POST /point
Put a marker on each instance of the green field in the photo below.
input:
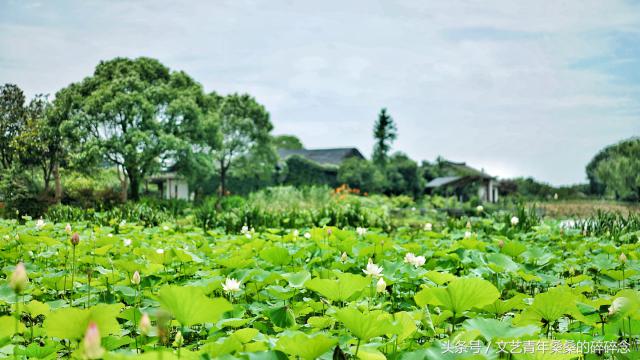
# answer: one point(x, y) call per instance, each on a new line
point(481, 287)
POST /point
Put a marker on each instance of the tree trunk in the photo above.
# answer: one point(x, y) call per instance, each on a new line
point(134, 186)
point(58, 184)
point(123, 184)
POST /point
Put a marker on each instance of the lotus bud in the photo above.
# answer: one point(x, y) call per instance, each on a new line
point(329, 232)
point(500, 243)
point(19, 279)
point(75, 239)
point(572, 271)
point(178, 341)
point(618, 304)
point(381, 286)
point(145, 324)
point(479, 209)
point(468, 224)
point(135, 279)
point(555, 196)
point(92, 347)
point(343, 257)
point(623, 258)
point(67, 228)
point(515, 221)
point(428, 227)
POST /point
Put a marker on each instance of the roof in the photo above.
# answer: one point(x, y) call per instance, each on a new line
point(462, 169)
point(333, 156)
point(442, 181)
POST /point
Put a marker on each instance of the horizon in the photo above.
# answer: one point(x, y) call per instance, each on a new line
point(519, 90)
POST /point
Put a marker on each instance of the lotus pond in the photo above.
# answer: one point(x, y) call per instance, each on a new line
point(473, 288)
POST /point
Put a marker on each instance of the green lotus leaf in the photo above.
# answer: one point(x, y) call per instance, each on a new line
point(460, 295)
point(340, 289)
point(304, 346)
point(492, 328)
point(282, 317)
point(190, 306)
point(367, 325)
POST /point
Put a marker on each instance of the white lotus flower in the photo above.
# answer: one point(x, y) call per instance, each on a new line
point(555, 196)
point(618, 304)
point(245, 229)
point(307, 235)
point(67, 228)
point(40, 224)
point(515, 221)
point(296, 233)
point(623, 258)
point(479, 209)
point(231, 285)
point(109, 235)
point(165, 228)
point(135, 279)
point(343, 257)
point(467, 234)
point(381, 286)
point(247, 235)
point(160, 251)
point(416, 261)
point(361, 231)
point(126, 242)
point(373, 269)
point(428, 227)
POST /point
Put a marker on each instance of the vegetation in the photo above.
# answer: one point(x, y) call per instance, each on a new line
point(492, 281)
point(384, 133)
point(614, 171)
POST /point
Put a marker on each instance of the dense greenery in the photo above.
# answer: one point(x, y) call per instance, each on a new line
point(490, 281)
point(615, 171)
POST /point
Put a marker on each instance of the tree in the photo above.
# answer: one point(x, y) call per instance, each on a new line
point(12, 122)
point(243, 143)
point(134, 114)
point(615, 170)
point(403, 176)
point(361, 174)
point(384, 133)
point(288, 142)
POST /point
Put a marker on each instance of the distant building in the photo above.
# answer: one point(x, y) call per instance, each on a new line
point(463, 181)
point(312, 166)
point(333, 157)
point(170, 185)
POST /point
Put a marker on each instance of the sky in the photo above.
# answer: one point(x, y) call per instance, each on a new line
point(517, 88)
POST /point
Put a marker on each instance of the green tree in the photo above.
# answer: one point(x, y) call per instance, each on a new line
point(615, 170)
point(288, 142)
point(135, 114)
point(384, 133)
point(361, 174)
point(12, 122)
point(403, 176)
point(243, 140)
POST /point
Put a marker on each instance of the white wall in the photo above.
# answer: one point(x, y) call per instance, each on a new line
point(176, 189)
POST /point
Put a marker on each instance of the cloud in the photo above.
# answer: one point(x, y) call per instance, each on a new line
point(518, 88)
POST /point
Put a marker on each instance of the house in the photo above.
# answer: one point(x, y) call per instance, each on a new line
point(331, 157)
point(170, 185)
point(460, 179)
point(312, 166)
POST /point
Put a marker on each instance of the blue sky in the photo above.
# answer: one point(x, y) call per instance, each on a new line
point(518, 88)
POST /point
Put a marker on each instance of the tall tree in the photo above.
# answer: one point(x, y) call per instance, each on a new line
point(244, 140)
point(12, 122)
point(384, 133)
point(288, 142)
point(135, 113)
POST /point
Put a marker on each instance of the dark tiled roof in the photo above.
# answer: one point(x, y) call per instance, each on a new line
point(462, 169)
point(442, 181)
point(323, 156)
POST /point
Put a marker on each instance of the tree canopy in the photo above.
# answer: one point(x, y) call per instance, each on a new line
point(384, 133)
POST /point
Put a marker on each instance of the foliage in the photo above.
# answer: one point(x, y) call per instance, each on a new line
point(361, 174)
point(306, 296)
point(614, 170)
point(303, 172)
point(288, 142)
point(384, 133)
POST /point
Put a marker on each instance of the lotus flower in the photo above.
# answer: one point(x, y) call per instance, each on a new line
point(145, 324)
point(92, 347)
point(623, 258)
point(428, 227)
point(361, 231)
point(75, 239)
point(467, 234)
point(67, 228)
point(160, 251)
point(416, 261)
point(617, 305)
point(135, 279)
point(231, 285)
point(381, 286)
point(126, 242)
point(307, 235)
point(296, 233)
point(19, 279)
point(40, 224)
point(373, 269)
point(515, 221)
point(343, 257)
